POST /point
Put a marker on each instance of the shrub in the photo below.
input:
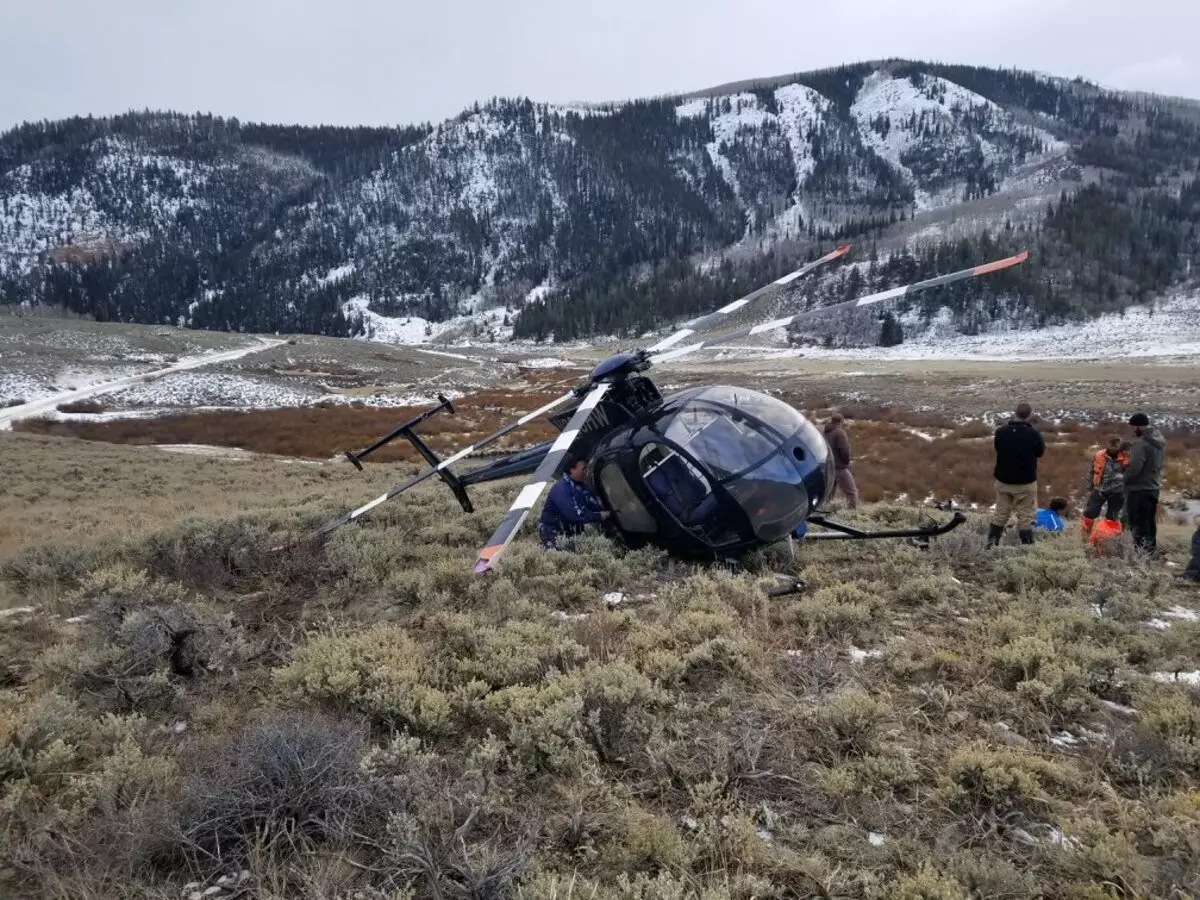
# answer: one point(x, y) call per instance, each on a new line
point(1021, 660)
point(551, 724)
point(50, 566)
point(82, 406)
point(518, 652)
point(979, 780)
point(926, 884)
point(289, 782)
point(840, 612)
point(848, 722)
point(379, 671)
point(141, 656)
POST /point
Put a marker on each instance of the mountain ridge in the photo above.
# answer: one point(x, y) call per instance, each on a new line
point(540, 211)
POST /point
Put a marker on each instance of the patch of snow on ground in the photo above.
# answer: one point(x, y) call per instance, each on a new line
point(547, 362)
point(334, 275)
point(25, 388)
point(1064, 739)
point(1170, 331)
point(925, 436)
point(1178, 613)
point(83, 379)
point(416, 330)
point(48, 404)
point(904, 108)
point(211, 389)
point(800, 110)
point(1189, 678)
point(858, 655)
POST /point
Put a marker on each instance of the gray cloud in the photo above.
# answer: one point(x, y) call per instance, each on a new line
point(395, 61)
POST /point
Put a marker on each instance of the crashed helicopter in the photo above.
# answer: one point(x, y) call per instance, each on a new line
point(712, 472)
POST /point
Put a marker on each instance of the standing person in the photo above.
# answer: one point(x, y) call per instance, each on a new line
point(570, 505)
point(835, 434)
point(1107, 485)
point(1192, 572)
point(1018, 446)
point(1143, 479)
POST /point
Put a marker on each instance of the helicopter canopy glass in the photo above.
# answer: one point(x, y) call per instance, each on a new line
point(757, 448)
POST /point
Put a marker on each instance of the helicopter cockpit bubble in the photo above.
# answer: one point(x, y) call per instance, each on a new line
point(770, 458)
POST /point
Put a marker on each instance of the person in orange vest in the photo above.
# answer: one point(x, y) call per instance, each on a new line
point(1107, 484)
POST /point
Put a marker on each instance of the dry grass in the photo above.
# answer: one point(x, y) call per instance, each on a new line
point(310, 432)
point(186, 709)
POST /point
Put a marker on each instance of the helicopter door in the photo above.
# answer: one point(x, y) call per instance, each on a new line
point(680, 487)
point(630, 512)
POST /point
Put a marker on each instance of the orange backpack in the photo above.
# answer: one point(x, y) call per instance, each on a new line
point(1105, 536)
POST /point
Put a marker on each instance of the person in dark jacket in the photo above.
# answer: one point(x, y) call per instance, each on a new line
point(1018, 446)
point(839, 445)
point(1192, 572)
point(569, 506)
point(1143, 480)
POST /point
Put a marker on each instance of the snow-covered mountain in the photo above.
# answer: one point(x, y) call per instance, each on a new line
point(198, 220)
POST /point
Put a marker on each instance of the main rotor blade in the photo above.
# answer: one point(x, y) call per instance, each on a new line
point(538, 482)
point(445, 463)
point(880, 297)
point(691, 327)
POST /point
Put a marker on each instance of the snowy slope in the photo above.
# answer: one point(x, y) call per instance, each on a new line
point(511, 199)
point(926, 127)
point(1169, 332)
point(743, 118)
point(127, 192)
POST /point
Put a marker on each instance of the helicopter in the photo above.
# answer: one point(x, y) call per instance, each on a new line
point(711, 472)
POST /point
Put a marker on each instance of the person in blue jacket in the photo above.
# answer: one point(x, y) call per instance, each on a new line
point(570, 505)
point(1051, 519)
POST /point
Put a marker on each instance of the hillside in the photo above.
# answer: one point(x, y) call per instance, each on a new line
point(573, 222)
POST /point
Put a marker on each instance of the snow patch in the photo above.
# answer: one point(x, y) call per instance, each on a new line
point(48, 404)
point(547, 362)
point(859, 655)
point(1188, 678)
point(416, 330)
point(1167, 331)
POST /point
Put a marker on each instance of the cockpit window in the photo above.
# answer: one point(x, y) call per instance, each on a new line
point(724, 445)
point(772, 412)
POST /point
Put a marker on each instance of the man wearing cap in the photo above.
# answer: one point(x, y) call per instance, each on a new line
point(1143, 479)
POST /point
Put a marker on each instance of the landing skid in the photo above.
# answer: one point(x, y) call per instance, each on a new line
point(919, 536)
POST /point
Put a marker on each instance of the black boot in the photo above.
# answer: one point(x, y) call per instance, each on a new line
point(994, 535)
point(1026, 536)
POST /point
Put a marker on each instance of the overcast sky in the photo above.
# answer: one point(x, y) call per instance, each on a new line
point(401, 61)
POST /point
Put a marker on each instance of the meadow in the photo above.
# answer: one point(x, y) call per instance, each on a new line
point(185, 713)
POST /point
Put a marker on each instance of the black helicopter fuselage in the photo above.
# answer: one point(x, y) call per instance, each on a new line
point(713, 471)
